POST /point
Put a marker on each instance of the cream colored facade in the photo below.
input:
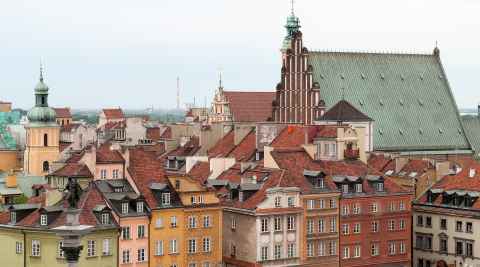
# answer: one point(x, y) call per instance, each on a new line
point(42, 149)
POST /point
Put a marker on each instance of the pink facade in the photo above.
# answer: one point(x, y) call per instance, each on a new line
point(134, 243)
point(109, 171)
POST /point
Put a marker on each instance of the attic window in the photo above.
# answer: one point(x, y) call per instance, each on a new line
point(389, 172)
point(379, 187)
point(13, 217)
point(402, 77)
point(43, 220)
point(420, 131)
point(105, 219)
point(439, 102)
point(401, 102)
point(459, 131)
point(382, 76)
point(361, 102)
point(420, 102)
point(421, 77)
point(342, 77)
point(380, 132)
point(381, 102)
point(140, 207)
point(363, 76)
point(400, 131)
point(125, 207)
point(440, 131)
point(440, 76)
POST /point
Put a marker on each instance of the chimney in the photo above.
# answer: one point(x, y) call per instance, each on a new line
point(471, 173)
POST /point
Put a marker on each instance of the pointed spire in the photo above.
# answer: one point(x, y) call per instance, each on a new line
point(436, 50)
point(41, 71)
point(293, 7)
point(220, 81)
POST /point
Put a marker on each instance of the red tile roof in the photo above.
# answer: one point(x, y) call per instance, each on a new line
point(113, 113)
point(69, 127)
point(200, 171)
point(73, 170)
point(246, 149)
point(417, 165)
point(189, 149)
point(63, 112)
point(250, 106)
point(107, 155)
point(167, 133)
point(64, 145)
point(223, 147)
point(153, 133)
point(294, 136)
point(114, 125)
point(379, 162)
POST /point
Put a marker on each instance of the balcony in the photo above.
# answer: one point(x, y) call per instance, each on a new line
point(351, 153)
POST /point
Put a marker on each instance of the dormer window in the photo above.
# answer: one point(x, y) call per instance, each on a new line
point(358, 188)
point(379, 187)
point(345, 188)
point(320, 182)
point(13, 217)
point(429, 197)
point(278, 202)
point(165, 199)
point(291, 201)
point(125, 207)
point(43, 220)
point(105, 218)
point(140, 207)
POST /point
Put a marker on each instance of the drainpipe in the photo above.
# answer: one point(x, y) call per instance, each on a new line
point(118, 247)
point(24, 249)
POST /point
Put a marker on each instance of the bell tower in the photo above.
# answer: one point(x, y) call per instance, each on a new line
point(42, 134)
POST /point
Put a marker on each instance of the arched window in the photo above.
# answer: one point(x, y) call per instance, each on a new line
point(46, 166)
point(45, 139)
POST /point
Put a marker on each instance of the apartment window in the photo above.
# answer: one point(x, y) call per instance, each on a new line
point(346, 253)
point(126, 256)
point(105, 218)
point(392, 206)
point(125, 207)
point(459, 226)
point(309, 226)
point(428, 222)
point(333, 203)
point(106, 246)
point(310, 204)
point(469, 248)
point(278, 202)
point(140, 231)
point(140, 207)
point(207, 244)
point(443, 244)
point(321, 225)
point(291, 250)
point(345, 188)
point(419, 220)
point(46, 166)
point(333, 225)
point(375, 226)
point(192, 264)
point(158, 223)
point(402, 248)
point(358, 188)
point(234, 223)
point(344, 210)
point(173, 246)
point(469, 227)
point(159, 247)
point(401, 206)
point(264, 253)
point(356, 208)
point(60, 252)
point(374, 249)
point(309, 249)
point(264, 225)
point(319, 183)
point(206, 221)
point(18, 247)
point(277, 224)
point(391, 248)
point(115, 174)
point(91, 248)
point(126, 233)
point(290, 223)
point(35, 248)
point(321, 204)
point(356, 228)
point(193, 200)
point(345, 229)
point(103, 174)
point(321, 248)
point(379, 187)
point(443, 224)
point(291, 201)
point(459, 247)
point(13, 217)
point(192, 222)
point(173, 222)
point(333, 247)
point(192, 246)
point(357, 251)
point(391, 225)
point(401, 224)
point(374, 207)
point(233, 250)
point(165, 199)
point(43, 220)
point(141, 255)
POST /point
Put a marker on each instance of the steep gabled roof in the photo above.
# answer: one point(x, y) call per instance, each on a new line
point(250, 106)
point(73, 170)
point(407, 95)
point(113, 113)
point(344, 111)
point(224, 146)
point(63, 112)
point(246, 149)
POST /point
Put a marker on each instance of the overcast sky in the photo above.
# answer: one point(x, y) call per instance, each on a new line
point(129, 53)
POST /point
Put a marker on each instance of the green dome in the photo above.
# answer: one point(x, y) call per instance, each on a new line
point(41, 114)
point(41, 87)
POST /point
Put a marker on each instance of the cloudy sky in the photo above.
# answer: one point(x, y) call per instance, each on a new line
point(129, 53)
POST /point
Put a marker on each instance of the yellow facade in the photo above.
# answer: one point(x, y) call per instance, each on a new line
point(42, 145)
point(8, 160)
point(198, 229)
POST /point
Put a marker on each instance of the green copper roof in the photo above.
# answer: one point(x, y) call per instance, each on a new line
point(471, 125)
point(41, 114)
point(407, 96)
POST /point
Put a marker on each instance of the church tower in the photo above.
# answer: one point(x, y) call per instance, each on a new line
point(297, 97)
point(42, 134)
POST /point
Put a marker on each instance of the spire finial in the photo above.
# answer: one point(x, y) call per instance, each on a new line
point(293, 7)
point(220, 81)
point(41, 71)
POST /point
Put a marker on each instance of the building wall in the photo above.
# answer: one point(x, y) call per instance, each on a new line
point(166, 233)
point(8, 160)
point(366, 237)
point(243, 237)
point(49, 249)
point(434, 255)
point(134, 243)
point(64, 121)
point(36, 153)
point(135, 130)
point(109, 167)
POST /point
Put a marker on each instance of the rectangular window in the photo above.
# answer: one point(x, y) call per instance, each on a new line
point(207, 244)
point(106, 246)
point(333, 225)
point(345, 229)
point(333, 247)
point(125, 256)
point(140, 231)
point(207, 221)
point(443, 224)
point(392, 206)
point(375, 226)
point(140, 207)
point(18, 247)
point(346, 253)
point(91, 248)
point(126, 233)
point(391, 248)
point(165, 199)
point(321, 248)
point(321, 226)
point(402, 249)
point(356, 208)
point(173, 246)
point(358, 188)
point(103, 174)
point(60, 252)
point(345, 210)
point(264, 225)
point(105, 218)
point(374, 207)
point(278, 202)
point(264, 253)
point(234, 223)
point(428, 222)
point(443, 245)
point(321, 204)
point(357, 251)
point(419, 220)
point(290, 223)
point(309, 226)
point(310, 204)
point(401, 206)
point(192, 222)
point(401, 224)
point(159, 247)
point(291, 250)
point(35, 248)
point(159, 223)
point(309, 249)
point(115, 174)
point(391, 225)
point(459, 226)
point(291, 201)
point(375, 249)
point(277, 224)
point(333, 203)
point(192, 246)
point(173, 222)
point(125, 207)
point(459, 247)
point(141, 255)
point(356, 228)
point(43, 220)
point(469, 249)
point(469, 227)
point(345, 188)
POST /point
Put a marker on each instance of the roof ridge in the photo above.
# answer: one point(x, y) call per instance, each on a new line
point(373, 52)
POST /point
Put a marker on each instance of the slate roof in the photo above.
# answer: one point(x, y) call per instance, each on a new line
point(63, 112)
point(113, 113)
point(407, 95)
point(471, 125)
point(344, 111)
point(250, 106)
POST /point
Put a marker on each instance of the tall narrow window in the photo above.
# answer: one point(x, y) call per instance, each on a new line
point(46, 166)
point(45, 139)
